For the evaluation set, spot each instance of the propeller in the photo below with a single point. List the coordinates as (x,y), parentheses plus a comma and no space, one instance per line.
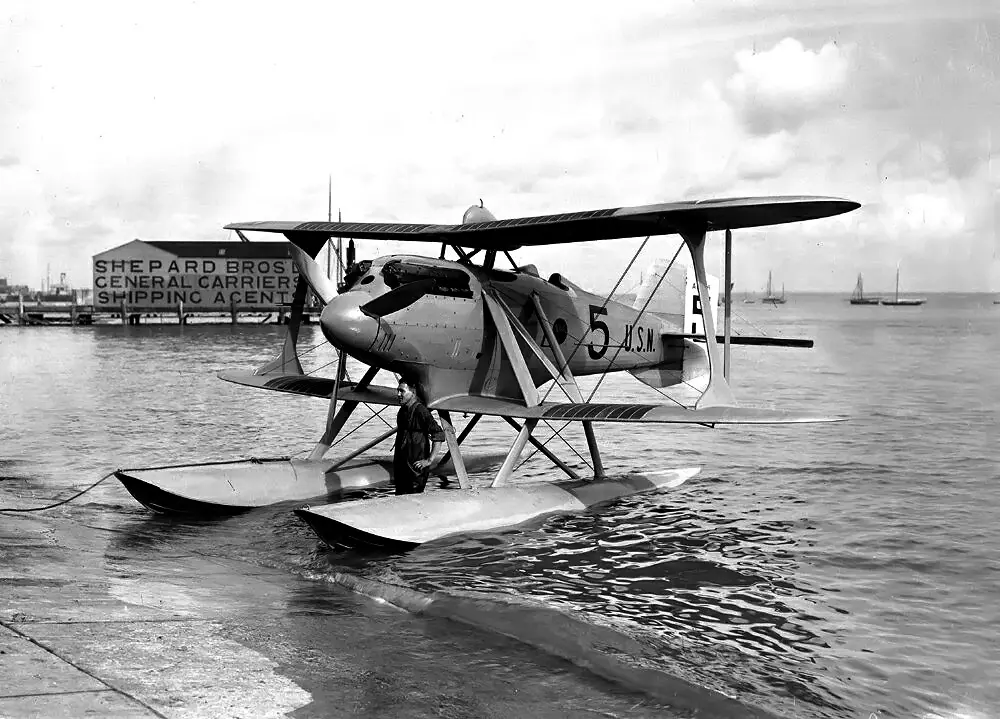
(318,281)
(397,299)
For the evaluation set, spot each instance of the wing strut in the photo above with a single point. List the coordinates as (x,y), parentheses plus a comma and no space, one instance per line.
(729,302)
(718,393)
(510,329)
(509,342)
(563,378)
(287,361)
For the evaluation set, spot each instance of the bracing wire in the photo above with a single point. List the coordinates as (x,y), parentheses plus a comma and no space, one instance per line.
(607,299)
(556,433)
(638,317)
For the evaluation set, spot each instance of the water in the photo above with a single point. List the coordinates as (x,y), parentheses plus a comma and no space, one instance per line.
(815,571)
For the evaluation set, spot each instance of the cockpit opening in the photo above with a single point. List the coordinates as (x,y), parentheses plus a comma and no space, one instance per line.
(448,281)
(353,272)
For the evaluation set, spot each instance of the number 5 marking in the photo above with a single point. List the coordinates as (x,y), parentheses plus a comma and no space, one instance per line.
(596,324)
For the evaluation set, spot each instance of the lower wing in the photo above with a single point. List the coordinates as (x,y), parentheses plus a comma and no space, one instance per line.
(635,413)
(567,411)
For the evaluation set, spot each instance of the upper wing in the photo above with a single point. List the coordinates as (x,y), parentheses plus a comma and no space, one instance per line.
(661,219)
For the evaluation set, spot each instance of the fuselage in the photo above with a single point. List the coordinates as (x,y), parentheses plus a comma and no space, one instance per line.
(448,337)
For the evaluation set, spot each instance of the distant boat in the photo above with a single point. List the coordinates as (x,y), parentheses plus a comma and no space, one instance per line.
(770,298)
(858,296)
(747,300)
(898,301)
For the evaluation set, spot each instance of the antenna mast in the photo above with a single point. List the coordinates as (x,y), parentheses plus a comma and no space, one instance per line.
(340,255)
(329,218)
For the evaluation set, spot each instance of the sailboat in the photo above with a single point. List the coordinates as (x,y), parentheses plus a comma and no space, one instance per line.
(770,298)
(858,296)
(747,299)
(898,301)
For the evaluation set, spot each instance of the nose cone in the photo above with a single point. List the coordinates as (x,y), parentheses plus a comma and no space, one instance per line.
(344,324)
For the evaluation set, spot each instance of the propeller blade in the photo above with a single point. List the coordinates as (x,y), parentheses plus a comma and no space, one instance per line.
(321,285)
(397,299)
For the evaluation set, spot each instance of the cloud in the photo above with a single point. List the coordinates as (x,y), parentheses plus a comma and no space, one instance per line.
(934,213)
(111,133)
(764,157)
(782,88)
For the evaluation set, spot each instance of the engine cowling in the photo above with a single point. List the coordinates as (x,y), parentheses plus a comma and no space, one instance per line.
(477,213)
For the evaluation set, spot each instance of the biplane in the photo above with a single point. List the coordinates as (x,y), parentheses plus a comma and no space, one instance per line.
(490,340)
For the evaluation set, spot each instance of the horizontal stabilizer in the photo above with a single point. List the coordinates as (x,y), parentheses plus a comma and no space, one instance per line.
(760,341)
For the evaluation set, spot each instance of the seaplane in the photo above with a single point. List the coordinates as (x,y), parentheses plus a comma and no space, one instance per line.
(489,340)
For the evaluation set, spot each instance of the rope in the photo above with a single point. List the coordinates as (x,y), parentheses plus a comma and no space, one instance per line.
(109,475)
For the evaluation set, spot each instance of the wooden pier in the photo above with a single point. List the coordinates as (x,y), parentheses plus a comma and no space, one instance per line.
(30,313)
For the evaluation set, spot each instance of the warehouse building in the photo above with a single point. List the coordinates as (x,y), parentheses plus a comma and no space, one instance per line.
(192,277)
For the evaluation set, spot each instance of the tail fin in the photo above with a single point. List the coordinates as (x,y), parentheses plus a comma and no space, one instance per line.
(677,296)
(694,307)
(669,298)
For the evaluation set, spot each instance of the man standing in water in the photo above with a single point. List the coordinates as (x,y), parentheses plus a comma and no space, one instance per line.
(418,441)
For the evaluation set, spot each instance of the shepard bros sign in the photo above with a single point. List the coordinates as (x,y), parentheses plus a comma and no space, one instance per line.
(205,284)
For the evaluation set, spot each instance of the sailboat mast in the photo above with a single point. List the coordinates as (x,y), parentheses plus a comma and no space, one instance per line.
(897,283)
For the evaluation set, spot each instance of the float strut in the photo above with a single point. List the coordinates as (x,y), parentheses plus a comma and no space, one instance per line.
(567,381)
(515,452)
(465,433)
(453,448)
(595,452)
(378,440)
(336,422)
(546,451)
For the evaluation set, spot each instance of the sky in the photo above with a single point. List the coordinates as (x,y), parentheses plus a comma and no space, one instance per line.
(168,120)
